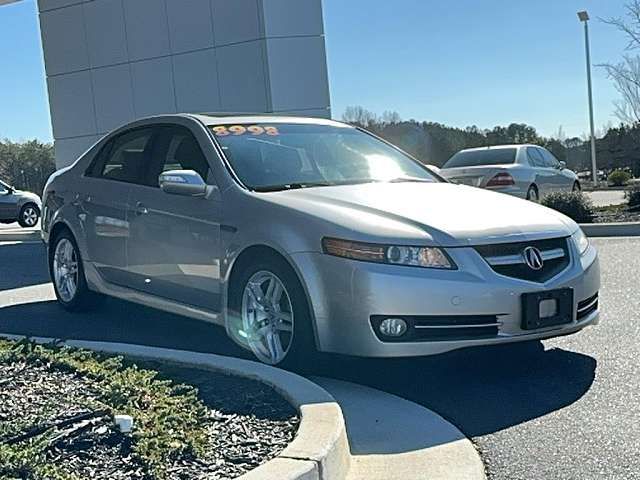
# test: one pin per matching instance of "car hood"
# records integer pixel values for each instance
(442, 213)
(27, 196)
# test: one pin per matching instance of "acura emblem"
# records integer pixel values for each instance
(533, 258)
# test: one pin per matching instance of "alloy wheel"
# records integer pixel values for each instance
(267, 317)
(65, 270)
(30, 216)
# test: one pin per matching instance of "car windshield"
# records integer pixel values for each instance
(285, 156)
(475, 158)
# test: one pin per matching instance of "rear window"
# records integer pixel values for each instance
(474, 158)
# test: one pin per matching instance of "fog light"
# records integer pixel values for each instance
(393, 327)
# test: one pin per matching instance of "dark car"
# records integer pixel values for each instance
(18, 206)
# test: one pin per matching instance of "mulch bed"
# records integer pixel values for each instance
(60, 415)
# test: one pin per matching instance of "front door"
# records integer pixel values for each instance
(174, 246)
(8, 208)
(103, 201)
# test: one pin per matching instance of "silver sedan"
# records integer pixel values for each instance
(526, 171)
(18, 206)
(299, 235)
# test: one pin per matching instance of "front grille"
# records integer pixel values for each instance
(434, 328)
(587, 307)
(507, 259)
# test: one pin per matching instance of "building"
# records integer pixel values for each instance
(111, 61)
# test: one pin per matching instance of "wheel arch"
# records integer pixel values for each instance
(244, 258)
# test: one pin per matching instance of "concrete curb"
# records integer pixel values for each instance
(320, 450)
(621, 229)
(18, 236)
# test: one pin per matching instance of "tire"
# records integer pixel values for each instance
(29, 215)
(532, 194)
(79, 298)
(300, 352)
(576, 187)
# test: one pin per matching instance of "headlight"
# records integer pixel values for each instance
(581, 241)
(426, 257)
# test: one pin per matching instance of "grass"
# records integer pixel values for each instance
(169, 417)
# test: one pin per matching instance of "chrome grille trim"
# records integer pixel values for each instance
(519, 259)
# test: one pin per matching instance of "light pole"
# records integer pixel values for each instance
(584, 18)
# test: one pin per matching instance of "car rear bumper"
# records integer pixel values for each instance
(345, 295)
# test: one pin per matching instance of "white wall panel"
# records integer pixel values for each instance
(298, 73)
(196, 81)
(292, 18)
(147, 28)
(190, 25)
(106, 36)
(65, 42)
(241, 69)
(153, 92)
(71, 103)
(236, 21)
(69, 149)
(113, 97)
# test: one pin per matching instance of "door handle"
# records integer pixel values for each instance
(141, 209)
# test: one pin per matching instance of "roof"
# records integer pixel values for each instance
(243, 118)
(499, 147)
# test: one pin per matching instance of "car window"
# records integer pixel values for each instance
(289, 155)
(3, 188)
(175, 148)
(549, 159)
(535, 158)
(475, 158)
(125, 157)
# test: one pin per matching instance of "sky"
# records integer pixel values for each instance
(456, 62)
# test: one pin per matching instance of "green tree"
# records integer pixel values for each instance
(28, 165)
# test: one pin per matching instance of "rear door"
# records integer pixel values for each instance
(561, 181)
(102, 200)
(174, 246)
(544, 174)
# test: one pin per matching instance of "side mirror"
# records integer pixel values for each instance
(182, 182)
(562, 165)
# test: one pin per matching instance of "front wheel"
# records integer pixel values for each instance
(576, 187)
(29, 215)
(274, 314)
(532, 194)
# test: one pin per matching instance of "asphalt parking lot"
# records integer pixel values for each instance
(561, 409)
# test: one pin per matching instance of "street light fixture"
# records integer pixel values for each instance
(584, 18)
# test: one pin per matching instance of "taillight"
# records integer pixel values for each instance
(501, 180)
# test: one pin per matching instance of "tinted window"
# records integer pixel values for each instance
(475, 158)
(4, 188)
(126, 157)
(535, 157)
(549, 159)
(177, 149)
(285, 155)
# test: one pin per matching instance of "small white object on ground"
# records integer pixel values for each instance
(124, 423)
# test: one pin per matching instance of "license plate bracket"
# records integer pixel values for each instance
(531, 319)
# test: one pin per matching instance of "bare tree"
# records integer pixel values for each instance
(357, 115)
(626, 74)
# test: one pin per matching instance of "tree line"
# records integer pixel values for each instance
(434, 143)
(26, 165)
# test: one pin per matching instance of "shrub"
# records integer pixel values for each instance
(573, 204)
(632, 194)
(618, 178)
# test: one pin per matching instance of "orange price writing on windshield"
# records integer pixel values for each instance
(238, 130)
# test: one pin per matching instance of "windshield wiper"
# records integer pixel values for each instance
(410, 179)
(292, 186)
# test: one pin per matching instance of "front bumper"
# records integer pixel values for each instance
(345, 294)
